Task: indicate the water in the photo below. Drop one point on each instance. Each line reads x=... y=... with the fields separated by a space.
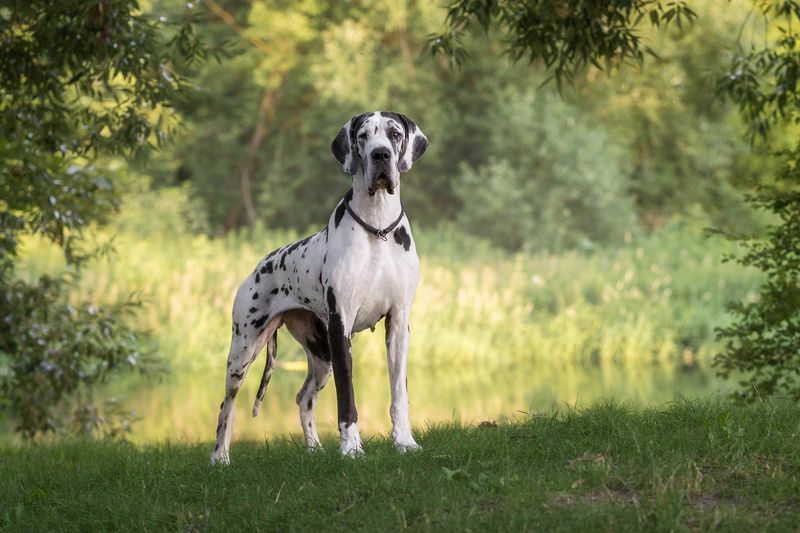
x=184 y=406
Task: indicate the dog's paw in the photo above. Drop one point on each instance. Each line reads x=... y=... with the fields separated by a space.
x=315 y=447
x=352 y=452
x=220 y=458
x=407 y=446
x=349 y=440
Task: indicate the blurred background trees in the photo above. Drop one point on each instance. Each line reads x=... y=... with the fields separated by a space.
x=657 y=140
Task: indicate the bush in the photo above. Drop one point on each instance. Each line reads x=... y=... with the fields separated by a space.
x=53 y=354
x=554 y=181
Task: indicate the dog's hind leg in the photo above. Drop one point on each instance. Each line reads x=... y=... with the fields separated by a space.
x=319 y=372
x=310 y=332
x=242 y=354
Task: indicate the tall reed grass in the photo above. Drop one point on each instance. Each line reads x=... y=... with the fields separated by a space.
x=653 y=298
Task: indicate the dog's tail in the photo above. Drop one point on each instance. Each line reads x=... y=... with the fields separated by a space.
x=272 y=349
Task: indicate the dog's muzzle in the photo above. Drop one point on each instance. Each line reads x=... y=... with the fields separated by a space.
x=381 y=171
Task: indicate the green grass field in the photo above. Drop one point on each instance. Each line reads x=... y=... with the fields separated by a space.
x=686 y=465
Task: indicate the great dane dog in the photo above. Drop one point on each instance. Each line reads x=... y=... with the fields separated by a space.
x=360 y=268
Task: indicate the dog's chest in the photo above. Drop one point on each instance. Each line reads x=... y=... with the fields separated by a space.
x=371 y=276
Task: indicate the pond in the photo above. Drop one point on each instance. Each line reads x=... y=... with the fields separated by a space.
x=184 y=406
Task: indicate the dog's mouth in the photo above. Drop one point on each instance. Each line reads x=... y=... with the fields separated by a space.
x=381 y=181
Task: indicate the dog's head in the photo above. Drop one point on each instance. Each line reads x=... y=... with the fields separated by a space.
x=383 y=144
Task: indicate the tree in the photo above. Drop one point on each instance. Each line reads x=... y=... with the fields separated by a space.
x=763 y=342
x=80 y=81
x=565 y=35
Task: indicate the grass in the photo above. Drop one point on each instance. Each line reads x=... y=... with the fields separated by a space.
x=687 y=465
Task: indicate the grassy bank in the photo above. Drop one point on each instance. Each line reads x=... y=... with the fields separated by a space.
x=685 y=465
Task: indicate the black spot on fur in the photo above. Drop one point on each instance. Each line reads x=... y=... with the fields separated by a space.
x=258 y=278
x=274 y=291
x=252 y=310
x=306 y=300
x=342 y=360
x=268 y=267
x=283 y=260
x=259 y=322
x=402 y=238
x=317 y=341
x=309 y=405
x=402 y=119
x=294 y=247
x=237 y=375
x=340 y=209
x=331 y=297
x=255 y=296
x=325 y=258
x=286 y=291
x=320 y=277
x=236 y=328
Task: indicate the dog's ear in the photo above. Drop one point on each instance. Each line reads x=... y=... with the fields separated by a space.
x=344 y=146
x=415 y=144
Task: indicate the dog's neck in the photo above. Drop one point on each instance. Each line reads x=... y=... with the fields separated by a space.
x=379 y=210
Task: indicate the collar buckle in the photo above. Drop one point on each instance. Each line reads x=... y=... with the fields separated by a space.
x=379 y=233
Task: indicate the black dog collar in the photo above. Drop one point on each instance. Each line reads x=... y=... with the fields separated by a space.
x=379 y=233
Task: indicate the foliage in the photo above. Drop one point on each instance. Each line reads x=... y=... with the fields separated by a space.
x=78 y=81
x=50 y=350
x=764 y=340
x=260 y=125
x=566 y=36
x=685 y=152
x=557 y=183
x=684 y=465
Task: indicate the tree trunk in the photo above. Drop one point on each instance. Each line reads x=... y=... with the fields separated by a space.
x=266 y=111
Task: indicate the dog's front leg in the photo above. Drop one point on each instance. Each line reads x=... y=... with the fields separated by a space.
x=397 y=339
x=342 y=362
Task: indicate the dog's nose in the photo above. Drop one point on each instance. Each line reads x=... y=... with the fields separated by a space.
x=381 y=154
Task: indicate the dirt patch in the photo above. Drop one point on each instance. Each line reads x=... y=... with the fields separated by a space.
x=594 y=496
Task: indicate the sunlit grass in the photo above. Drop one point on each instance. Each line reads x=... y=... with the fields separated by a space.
x=612 y=467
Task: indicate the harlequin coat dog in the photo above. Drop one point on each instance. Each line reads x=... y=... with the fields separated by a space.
x=360 y=268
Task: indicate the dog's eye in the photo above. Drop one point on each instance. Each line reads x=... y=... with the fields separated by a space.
x=396 y=134
x=362 y=136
